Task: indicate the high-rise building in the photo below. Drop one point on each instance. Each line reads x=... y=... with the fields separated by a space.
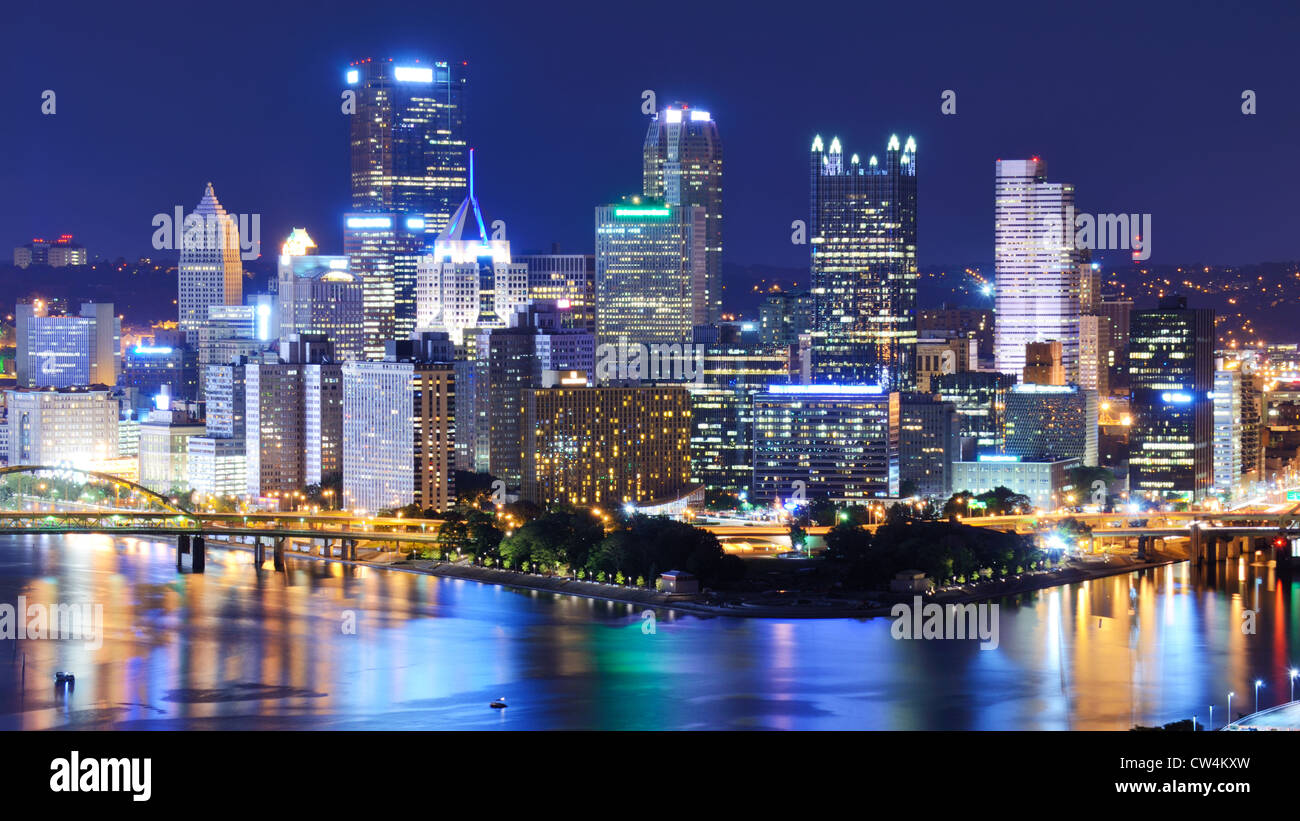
x=319 y=295
x=935 y=356
x=569 y=280
x=738 y=365
x=210 y=271
x=603 y=446
x=1044 y=363
x=1048 y=422
x=293 y=416
x=55 y=426
x=153 y=369
x=862 y=232
x=785 y=316
x=981 y=399
x=217 y=463
x=61 y=351
x=1171 y=376
x=950 y=322
x=407 y=138
x=509 y=362
x=1227 y=446
x=164 y=448
x=651 y=272
x=929 y=441
x=468 y=283
x=837 y=442
x=1037 y=266
x=1096 y=353
x=682 y=165
x=60 y=253
x=399 y=429
x=1119 y=312
x=384 y=251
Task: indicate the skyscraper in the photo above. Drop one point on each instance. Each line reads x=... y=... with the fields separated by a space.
x=1048 y=421
x=407 y=138
x=468 y=283
x=62 y=351
x=1171 y=374
x=318 y=294
x=862 y=232
x=650 y=272
x=210 y=272
x=1037 y=280
x=682 y=165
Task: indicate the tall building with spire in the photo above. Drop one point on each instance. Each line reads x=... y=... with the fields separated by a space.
x=1037 y=267
x=468 y=283
x=210 y=272
x=862 y=232
x=682 y=165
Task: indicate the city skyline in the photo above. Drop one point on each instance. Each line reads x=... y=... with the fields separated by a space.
x=1109 y=155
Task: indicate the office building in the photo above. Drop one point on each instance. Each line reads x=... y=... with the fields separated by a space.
x=164 y=448
x=1044 y=363
x=607 y=446
x=980 y=399
x=567 y=279
x=73 y=426
x=786 y=316
x=399 y=430
x=935 y=356
x=650 y=272
x=407 y=138
x=210 y=271
x=152 y=369
x=1045 y=421
x=862 y=232
x=929 y=441
x=952 y=322
x=738 y=364
x=1227 y=444
x=1037 y=266
x=468 y=283
x=384 y=251
x=1119 y=312
x=682 y=165
x=60 y=253
x=1046 y=482
x=60 y=351
x=1096 y=353
x=318 y=294
x=1171 y=373
x=837 y=442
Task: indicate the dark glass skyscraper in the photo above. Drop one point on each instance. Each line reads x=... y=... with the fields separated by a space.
x=1171 y=376
x=862 y=232
x=409 y=164
x=682 y=165
x=407 y=138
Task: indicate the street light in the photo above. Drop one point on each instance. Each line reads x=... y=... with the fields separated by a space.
x=1211 y=727
x=1230 y=695
x=1258 y=684
x=1293 y=673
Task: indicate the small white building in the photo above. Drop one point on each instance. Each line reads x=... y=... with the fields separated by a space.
x=911 y=581
x=679 y=581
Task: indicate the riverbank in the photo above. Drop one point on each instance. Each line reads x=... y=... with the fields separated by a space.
x=808 y=606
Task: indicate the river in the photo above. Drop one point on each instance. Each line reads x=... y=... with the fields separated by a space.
x=332 y=646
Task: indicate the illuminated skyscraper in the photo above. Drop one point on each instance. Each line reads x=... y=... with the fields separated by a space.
x=1171 y=375
x=383 y=251
x=650 y=273
x=862 y=233
x=1037 y=284
x=318 y=294
x=61 y=351
x=210 y=272
x=682 y=165
x=468 y=283
x=407 y=138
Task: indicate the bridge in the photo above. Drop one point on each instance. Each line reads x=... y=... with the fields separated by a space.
x=60 y=499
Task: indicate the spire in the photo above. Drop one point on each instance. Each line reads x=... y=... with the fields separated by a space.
x=456 y=226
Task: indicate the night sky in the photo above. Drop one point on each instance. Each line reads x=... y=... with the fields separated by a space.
x=1137 y=104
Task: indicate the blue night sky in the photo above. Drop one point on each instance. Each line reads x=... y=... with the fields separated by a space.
x=1137 y=104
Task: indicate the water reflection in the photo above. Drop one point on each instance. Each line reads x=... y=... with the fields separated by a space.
x=330 y=646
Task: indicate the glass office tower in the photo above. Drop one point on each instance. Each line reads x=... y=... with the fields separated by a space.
x=862 y=232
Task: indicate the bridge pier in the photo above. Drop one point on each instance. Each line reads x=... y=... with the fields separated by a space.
x=350 y=549
x=259 y=552
x=278 y=551
x=199 y=554
x=182 y=547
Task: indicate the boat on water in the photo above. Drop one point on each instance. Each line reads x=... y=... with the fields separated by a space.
x=499 y=704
